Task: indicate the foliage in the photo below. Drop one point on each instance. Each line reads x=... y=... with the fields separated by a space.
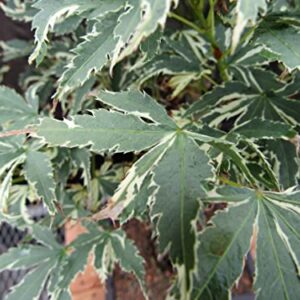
x=204 y=94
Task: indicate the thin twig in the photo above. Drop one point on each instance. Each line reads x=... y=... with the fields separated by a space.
x=16 y=132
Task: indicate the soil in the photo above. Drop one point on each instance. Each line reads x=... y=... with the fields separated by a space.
x=159 y=273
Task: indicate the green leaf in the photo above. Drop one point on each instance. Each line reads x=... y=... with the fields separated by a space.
x=182 y=55
x=39 y=174
x=126 y=254
x=176 y=202
x=15 y=113
x=75 y=264
x=222 y=248
x=33 y=283
x=10 y=152
x=286 y=162
x=139 y=104
x=275 y=217
x=24 y=257
x=276 y=227
x=14 y=210
x=49 y=12
x=283 y=44
x=108 y=248
x=114 y=35
x=260 y=96
x=44 y=260
x=140 y=21
x=81 y=158
x=80 y=96
x=227 y=92
x=246 y=12
x=19 y=10
x=7 y=182
x=104 y=130
x=138 y=206
x=15 y=48
x=129 y=191
x=45 y=236
x=265 y=129
x=90 y=55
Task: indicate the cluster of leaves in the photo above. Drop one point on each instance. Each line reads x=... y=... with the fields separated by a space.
x=219 y=124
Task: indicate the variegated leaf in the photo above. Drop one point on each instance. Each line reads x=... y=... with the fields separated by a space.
x=127 y=255
x=14 y=210
x=128 y=193
x=44 y=260
x=108 y=249
x=53 y=263
x=19 y=10
x=11 y=150
x=285 y=159
x=91 y=55
x=7 y=182
x=274 y=217
x=222 y=249
x=32 y=285
x=139 y=104
x=114 y=37
x=265 y=129
x=15 y=112
x=140 y=21
x=282 y=43
x=227 y=92
x=138 y=206
x=49 y=12
x=39 y=174
x=15 y=48
x=102 y=131
x=261 y=95
x=183 y=55
x=176 y=202
x=246 y=12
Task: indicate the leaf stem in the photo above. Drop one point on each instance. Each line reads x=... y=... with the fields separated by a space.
x=209 y=79
x=185 y=21
x=229 y=182
x=211 y=22
x=222 y=67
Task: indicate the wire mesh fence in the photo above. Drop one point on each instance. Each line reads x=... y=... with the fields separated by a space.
x=11 y=237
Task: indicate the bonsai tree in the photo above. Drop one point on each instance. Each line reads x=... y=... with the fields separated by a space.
x=203 y=95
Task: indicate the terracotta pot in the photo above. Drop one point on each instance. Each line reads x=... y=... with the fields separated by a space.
x=87 y=285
